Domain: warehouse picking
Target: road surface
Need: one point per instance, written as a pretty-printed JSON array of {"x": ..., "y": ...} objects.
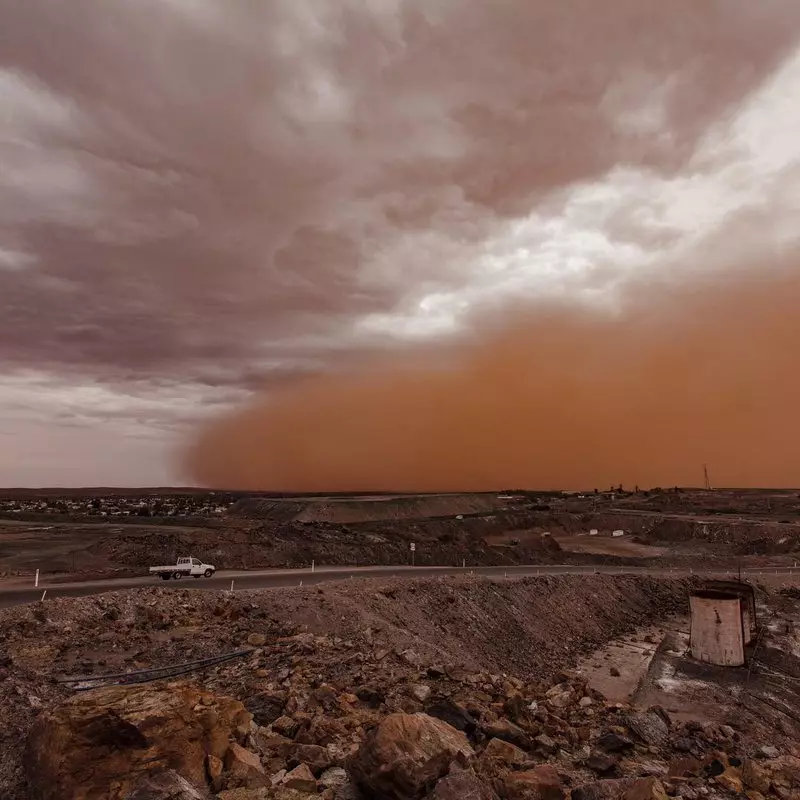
[{"x": 12, "y": 594}]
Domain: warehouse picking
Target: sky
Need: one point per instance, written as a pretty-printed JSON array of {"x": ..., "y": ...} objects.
[{"x": 288, "y": 245}]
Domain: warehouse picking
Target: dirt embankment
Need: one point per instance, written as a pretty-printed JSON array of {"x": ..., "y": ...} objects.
[
  {"x": 530, "y": 627},
  {"x": 296, "y": 545},
  {"x": 373, "y": 509}
]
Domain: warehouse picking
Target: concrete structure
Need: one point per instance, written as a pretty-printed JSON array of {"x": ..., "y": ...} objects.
[
  {"x": 748, "y": 596},
  {"x": 721, "y": 620}
]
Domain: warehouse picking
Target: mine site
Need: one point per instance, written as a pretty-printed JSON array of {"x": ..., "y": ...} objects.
[
  {"x": 399, "y": 400},
  {"x": 530, "y": 645}
]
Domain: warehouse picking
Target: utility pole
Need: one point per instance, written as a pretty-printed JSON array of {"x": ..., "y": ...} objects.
[{"x": 708, "y": 480}]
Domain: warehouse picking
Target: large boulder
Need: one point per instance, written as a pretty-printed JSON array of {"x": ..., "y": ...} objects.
[
  {"x": 101, "y": 744},
  {"x": 404, "y": 756}
]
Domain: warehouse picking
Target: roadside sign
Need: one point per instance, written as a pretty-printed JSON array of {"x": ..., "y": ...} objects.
[{"x": 413, "y": 547}]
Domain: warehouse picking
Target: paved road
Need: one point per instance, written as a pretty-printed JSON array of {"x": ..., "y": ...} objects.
[{"x": 18, "y": 594}]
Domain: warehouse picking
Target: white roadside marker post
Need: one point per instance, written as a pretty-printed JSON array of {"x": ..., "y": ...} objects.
[{"x": 36, "y": 580}]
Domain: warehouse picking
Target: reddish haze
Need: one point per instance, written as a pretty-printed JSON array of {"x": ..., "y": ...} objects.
[{"x": 701, "y": 373}]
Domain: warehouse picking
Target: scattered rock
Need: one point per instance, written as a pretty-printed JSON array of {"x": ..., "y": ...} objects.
[
  {"x": 730, "y": 781},
  {"x": 333, "y": 778},
  {"x": 372, "y": 697},
  {"x": 315, "y": 757},
  {"x": 614, "y": 743},
  {"x": 602, "y": 763},
  {"x": 755, "y": 777},
  {"x": 301, "y": 778},
  {"x": 462, "y": 785},
  {"x": 309, "y": 719},
  {"x": 545, "y": 744},
  {"x": 582, "y": 754},
  {"x": 256, "y": 640},
  {"x": 285, "y": 726},
  {"x": 509, "y": 732},
  {"x": 602, "y": 790},
  {"x": 277, "y": 778},
  {"x": 768, "y": 751},
  {"x": 648, "y": 726},
  {"x": 451, "y": 713},
  {"x": 265, "y": 708},
  {"x": 646, "y": 789},
  {"x": 243, "y": 769},
  {"x": 420, "y": 692},
  {"x": 727, "y": 731},
  {"x": 166, "y": 785},
  {"x": 653, "y": 769},
  {"x": 540, "y": 783},
  {"x": 405, "y": 755},
  {"x": 504, "y": 752}
]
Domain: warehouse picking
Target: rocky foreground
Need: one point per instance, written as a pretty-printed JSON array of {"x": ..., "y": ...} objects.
[{"x": 417, "y": 689}]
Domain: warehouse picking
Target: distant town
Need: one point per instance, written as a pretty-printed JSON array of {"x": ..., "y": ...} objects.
[{"x": 197, "y": 505}]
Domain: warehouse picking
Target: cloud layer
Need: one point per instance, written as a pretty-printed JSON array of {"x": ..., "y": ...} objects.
[{"x": 197, "y": 199}]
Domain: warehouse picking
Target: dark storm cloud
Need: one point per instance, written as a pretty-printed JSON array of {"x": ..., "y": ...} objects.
[{"x": 187, "y": 184}]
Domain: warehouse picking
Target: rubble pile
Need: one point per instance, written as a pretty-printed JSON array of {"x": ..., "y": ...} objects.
[
  {"x": 435, "y": 732},
  {"x": 439, "y": 689}
]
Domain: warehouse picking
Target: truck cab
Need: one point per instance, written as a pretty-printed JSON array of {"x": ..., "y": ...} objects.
[
  {"x": 184, "y": 567},
  {"x": 195, "y": 567}
]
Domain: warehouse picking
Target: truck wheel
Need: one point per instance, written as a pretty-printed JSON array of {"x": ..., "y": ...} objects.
[
  {"x": 165, "y": 576},
  {"x": 208, "y": 573},
  {"x": 176, "y": 575}
]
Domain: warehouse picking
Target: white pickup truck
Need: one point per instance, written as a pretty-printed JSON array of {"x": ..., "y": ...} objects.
[{"x": 184, "y": 567}]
